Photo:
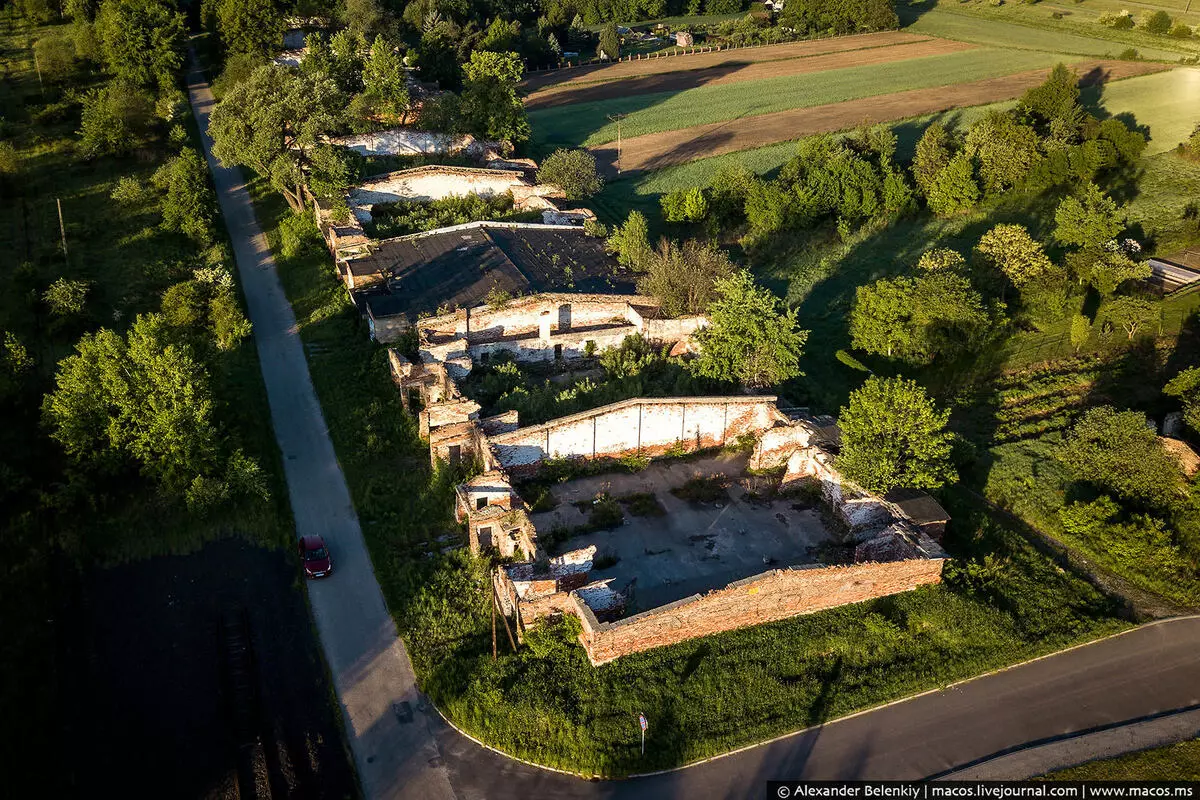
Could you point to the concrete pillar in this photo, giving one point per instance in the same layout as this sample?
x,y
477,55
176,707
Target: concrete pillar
x,y
544,326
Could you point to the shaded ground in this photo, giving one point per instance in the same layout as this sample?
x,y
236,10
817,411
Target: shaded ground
x,y
658,150
688,546
734,68
156,711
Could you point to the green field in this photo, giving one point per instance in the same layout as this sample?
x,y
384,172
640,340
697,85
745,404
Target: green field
x,y
1032,27
1154,101
588,123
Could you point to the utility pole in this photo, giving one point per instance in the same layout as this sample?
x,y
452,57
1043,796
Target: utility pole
x,y
62,229
617,119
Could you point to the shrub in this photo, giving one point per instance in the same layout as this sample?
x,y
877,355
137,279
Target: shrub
x,y
66,297
1156,22
1181,30
1129,54
702,490
643,504
572,170
605,560
128,191
114,119
298,235
1122,21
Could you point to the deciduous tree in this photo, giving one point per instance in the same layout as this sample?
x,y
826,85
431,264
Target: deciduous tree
x,y
142,41
1011,250
918,319
751,338
1186,386
1088,219
490,106
272,123
1118,452
250,26
1130,314
684,277
892,435
954,188
631,242
188,202
572,170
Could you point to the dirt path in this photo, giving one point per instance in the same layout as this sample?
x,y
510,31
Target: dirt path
x,y
563,79
735,69
658,150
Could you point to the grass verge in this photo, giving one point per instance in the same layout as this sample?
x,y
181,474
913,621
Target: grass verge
x,y
1177,762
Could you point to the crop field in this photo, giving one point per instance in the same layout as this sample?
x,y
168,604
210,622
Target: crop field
x,y
1153,101
1011,26
658,150
588,84
589,124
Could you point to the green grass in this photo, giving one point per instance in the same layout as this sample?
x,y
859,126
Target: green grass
x,y
588,124
1176,762
1167,102
1031,27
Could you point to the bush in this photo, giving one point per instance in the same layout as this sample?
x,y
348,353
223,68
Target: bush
x,y
701,490
1156,22
114,119
128,191
66,297
55,56
643,504
298,236
1121,22
1181,30
572,170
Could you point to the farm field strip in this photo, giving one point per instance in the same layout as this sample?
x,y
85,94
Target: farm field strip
x,y
733,70
538,82
991,32
665,149
589,124
1153,100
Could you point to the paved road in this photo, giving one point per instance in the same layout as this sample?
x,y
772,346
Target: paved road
x,y
410,753
395,752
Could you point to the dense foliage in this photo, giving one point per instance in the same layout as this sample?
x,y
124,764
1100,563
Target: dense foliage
x,y
893,436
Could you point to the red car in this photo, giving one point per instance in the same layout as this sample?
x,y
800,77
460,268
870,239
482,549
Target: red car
x,y
315,556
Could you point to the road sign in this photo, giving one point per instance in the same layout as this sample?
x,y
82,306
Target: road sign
x,y
644,724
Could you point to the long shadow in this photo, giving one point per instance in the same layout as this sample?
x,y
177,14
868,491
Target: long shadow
x,y
677,81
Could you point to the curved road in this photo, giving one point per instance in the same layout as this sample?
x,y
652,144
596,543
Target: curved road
x,y
402,749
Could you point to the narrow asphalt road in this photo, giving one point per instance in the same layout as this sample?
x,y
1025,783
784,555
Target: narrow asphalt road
x,y
394,748
402,748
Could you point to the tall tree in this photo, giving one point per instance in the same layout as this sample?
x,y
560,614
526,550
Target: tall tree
x,y
1088,219
954,189
490,105
893,436
272,123
385,81
933,154
250,26
631,242
609,46
751,338
1011,250
142,397
188,203
1004,149
918,319
572,170
142,41
1053,107
1130,314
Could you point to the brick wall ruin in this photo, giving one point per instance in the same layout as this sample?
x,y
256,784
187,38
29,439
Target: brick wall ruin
x,y
769,597
647,426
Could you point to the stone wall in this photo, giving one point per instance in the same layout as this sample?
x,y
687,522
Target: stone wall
x,y
769,597
408,141
646,426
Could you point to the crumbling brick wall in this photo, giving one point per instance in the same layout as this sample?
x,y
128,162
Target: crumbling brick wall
x,y
645,426
769,597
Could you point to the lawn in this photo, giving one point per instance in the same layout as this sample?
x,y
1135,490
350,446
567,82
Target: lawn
x,y
589,124
1032,27
1176,762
